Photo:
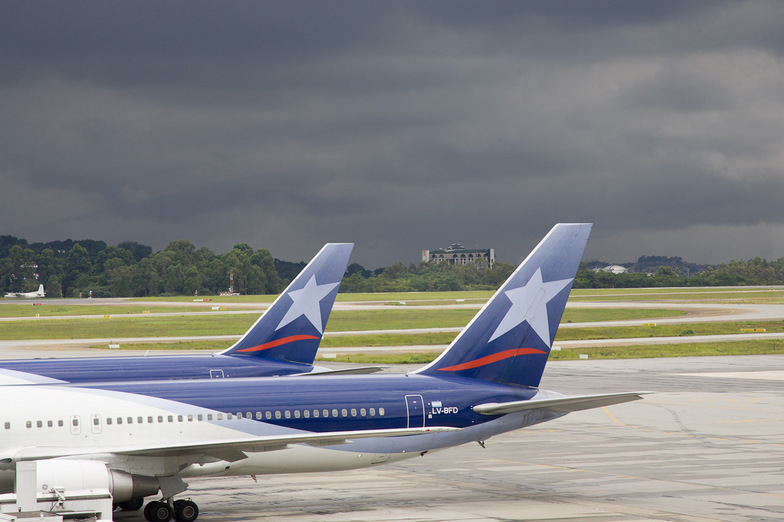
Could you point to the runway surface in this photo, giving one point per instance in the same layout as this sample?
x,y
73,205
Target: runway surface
x,y
709,445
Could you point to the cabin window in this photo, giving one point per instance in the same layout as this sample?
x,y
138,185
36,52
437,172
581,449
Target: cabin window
x,y
344,412
130,420
372,412
334,413
119,420
160,418
140,420
353,412
296,414
190,417
209,416
306,414
277,414
315,414
287,414
220,416
179,418
96,422
39,424
8,425
381,411
268,415
60,423
149,419
49,424
170,418
229,416
200,417
75,421
109,420
258,415
29,424
362,412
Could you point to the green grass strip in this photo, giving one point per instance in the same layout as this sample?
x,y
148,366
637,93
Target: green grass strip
x,y
666,330
119,325
763,347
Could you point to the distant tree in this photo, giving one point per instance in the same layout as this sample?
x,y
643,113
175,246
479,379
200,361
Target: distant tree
x,y
19,270
77,269
53,287
288,270
354,268
137,250
6,242
49,267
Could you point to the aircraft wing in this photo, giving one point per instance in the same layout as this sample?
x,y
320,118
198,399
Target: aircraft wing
x,y
559,404
229,450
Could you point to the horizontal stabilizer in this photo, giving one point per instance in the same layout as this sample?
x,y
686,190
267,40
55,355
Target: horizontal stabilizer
x,y
560,404
359,370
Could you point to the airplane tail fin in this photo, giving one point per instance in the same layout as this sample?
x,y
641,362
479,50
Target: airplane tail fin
x,y
41,290
510,338
292,327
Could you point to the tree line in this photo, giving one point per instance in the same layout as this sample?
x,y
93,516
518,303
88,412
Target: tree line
x,y
88,267
754,272
81,268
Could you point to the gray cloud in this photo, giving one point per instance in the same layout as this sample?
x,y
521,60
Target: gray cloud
x,y
398,126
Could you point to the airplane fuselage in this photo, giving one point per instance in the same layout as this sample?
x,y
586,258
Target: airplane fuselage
x,y
107,421
158,367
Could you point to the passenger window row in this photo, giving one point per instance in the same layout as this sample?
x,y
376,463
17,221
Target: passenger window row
x,y
267,415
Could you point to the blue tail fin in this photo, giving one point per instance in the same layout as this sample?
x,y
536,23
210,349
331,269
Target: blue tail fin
x,y
509,340
291,329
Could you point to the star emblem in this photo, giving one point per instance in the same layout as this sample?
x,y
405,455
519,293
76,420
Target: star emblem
x,y
306,301
529,303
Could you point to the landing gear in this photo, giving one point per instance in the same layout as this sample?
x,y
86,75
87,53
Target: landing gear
x,y
180,510
158,511
185,510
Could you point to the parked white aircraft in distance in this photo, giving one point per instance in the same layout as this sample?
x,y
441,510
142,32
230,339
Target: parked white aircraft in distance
x,y
134,439
28,295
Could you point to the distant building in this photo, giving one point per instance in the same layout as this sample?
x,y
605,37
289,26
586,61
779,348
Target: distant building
x,y
457,254
615,269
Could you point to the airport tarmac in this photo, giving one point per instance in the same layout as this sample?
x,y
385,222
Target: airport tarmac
x,y
708,445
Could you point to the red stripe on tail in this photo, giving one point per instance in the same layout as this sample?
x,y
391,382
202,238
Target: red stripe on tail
x,y
278,342
506,354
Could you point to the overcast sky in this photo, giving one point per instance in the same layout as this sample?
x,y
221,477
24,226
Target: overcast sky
x,y
396,125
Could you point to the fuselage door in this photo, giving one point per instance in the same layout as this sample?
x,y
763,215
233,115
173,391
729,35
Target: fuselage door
x,y
76,425
416,411
216,374
95,423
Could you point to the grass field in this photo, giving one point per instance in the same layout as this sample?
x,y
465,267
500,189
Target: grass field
x,y
615,352
400,316
119,325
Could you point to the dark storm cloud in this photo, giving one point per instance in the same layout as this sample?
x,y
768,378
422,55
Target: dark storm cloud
x,y
397,125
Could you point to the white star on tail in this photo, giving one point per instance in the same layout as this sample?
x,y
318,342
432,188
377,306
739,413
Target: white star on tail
x,y
529,303
307,302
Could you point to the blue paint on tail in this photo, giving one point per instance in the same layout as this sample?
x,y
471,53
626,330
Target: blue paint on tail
x,y
292,328
509,340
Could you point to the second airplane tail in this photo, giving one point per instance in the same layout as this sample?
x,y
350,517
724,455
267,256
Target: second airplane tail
x,y
509,340
292,328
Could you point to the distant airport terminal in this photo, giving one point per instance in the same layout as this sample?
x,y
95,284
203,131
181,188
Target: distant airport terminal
x,y
457,254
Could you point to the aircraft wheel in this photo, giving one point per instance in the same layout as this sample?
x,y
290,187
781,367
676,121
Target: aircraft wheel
x,y
135,504
158,511
185,510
